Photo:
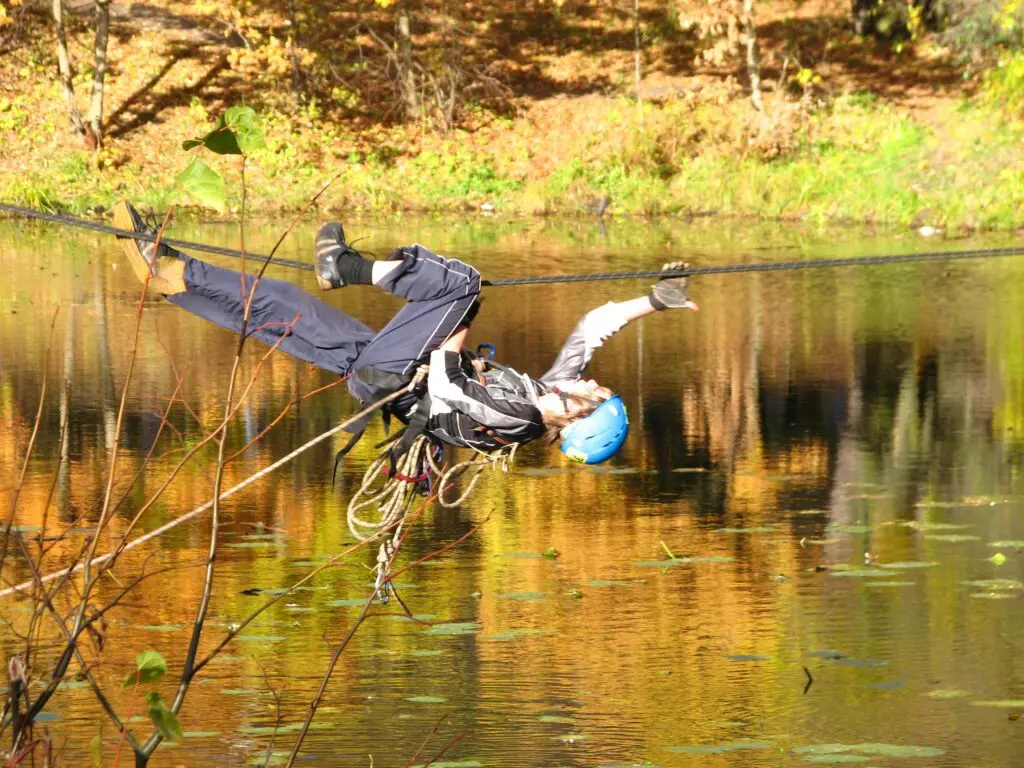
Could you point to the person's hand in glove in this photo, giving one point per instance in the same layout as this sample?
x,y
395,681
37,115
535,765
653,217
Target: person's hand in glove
x,y
670,292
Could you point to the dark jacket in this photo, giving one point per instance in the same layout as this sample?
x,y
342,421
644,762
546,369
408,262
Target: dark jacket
x,y
500,406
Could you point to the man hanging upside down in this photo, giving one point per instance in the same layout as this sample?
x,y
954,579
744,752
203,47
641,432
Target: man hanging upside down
x,y
469,401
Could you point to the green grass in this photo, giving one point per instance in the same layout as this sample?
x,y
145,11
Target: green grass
x,y
855,160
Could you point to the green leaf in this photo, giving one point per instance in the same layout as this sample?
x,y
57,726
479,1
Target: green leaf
x,y
149,666
96,749
242,122
998,558
203,184
163,718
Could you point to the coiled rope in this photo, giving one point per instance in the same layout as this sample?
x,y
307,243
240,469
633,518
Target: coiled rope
x,y
778,266
414,472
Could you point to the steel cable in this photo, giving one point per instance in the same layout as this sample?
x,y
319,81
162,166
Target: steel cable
x,y
723,269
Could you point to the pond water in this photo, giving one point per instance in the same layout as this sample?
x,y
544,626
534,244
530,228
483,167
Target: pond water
x,y
833,458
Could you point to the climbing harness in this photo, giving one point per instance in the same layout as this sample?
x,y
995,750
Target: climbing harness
x,y
779,266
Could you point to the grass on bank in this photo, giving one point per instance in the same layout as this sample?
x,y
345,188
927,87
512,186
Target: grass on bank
x,y
850,158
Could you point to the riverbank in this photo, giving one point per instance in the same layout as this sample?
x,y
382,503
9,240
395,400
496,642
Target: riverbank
x,y
832,145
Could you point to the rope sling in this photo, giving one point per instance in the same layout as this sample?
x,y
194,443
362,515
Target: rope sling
x,y
416,472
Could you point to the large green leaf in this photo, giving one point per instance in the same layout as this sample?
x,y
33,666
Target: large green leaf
x,y
235,133
163,718
149,666
203,184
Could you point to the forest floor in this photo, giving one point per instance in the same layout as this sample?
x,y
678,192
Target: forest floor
x,y
552,121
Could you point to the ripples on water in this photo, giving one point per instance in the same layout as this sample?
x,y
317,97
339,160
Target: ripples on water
x,y
831,456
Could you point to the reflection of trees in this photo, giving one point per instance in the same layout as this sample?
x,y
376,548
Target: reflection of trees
x,y
794,392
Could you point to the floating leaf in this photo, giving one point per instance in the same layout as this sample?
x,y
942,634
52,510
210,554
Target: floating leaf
x,y
454,628
572,738
161,627
863,662
522,596
611,583
888,685
861,573
96,749
556,719
751,529
953,538
889,583
947,693
451,764
203,184
551,553
998,558
717,749
260,638
827,655
200,734
836,759
747,657
242,692
850,528
425,653
910,564
45,717
1008,543
163,718
347,602
149,666
996,584
1000,703
427,699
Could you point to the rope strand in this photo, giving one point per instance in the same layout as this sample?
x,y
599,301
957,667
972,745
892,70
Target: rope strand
x,y
779,266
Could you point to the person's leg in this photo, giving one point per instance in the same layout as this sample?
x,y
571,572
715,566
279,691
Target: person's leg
x,y
440,292
322,335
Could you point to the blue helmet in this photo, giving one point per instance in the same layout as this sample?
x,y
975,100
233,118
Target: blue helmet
x,y
595,438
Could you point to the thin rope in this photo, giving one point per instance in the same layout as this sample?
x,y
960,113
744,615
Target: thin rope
x,y
779,266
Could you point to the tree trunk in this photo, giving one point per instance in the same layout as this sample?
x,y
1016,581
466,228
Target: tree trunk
x,y
753,56
637,73
407,78
94,136
67,86
298,89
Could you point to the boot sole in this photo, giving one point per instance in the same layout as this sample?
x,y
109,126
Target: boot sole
x,y
158,282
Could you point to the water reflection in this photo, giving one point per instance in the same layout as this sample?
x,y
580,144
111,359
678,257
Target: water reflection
x,y
798,424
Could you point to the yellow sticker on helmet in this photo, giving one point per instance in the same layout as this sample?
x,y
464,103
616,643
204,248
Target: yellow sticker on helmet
x,y
575,454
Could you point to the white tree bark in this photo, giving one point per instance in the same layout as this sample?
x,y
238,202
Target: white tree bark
x,y
67,85
99,71
753,55
407,77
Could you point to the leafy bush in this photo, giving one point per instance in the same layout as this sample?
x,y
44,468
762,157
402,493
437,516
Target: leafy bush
x,y
976,29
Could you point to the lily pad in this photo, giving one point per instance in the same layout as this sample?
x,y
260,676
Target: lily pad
x,y
249,544
522,596
348,602
452,764
889,583
747,657
953,538
556,719
920,525
860,573
1000,703
200,734
1008,543
863,662
995,584
242,692
611,583
946,693
751,529
427,699
833,655
424,653
836,759
994,595
160,627
850,528
904,565
454,628
46,717
718,749
572,738
880,750
260,638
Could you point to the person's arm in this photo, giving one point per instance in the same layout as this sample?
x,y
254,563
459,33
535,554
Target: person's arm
x,y
601,323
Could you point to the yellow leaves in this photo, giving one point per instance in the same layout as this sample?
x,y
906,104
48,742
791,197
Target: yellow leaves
x,y
384,3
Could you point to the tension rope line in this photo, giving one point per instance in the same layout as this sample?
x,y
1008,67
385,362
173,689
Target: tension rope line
x,y
779,266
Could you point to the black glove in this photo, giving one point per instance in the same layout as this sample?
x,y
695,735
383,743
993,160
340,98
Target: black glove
x,y
670,292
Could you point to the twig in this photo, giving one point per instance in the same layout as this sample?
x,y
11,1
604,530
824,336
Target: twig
x,y
433,732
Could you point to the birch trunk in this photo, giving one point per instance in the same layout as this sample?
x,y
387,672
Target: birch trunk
x,y
67,86
99,72
753,55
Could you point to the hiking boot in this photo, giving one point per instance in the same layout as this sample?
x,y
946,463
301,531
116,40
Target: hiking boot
x,y
337,263
162,265
670,292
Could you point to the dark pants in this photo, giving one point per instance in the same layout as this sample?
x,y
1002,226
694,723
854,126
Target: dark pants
x,y
439,292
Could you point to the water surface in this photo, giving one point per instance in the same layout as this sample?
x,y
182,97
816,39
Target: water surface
x,y
832,456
